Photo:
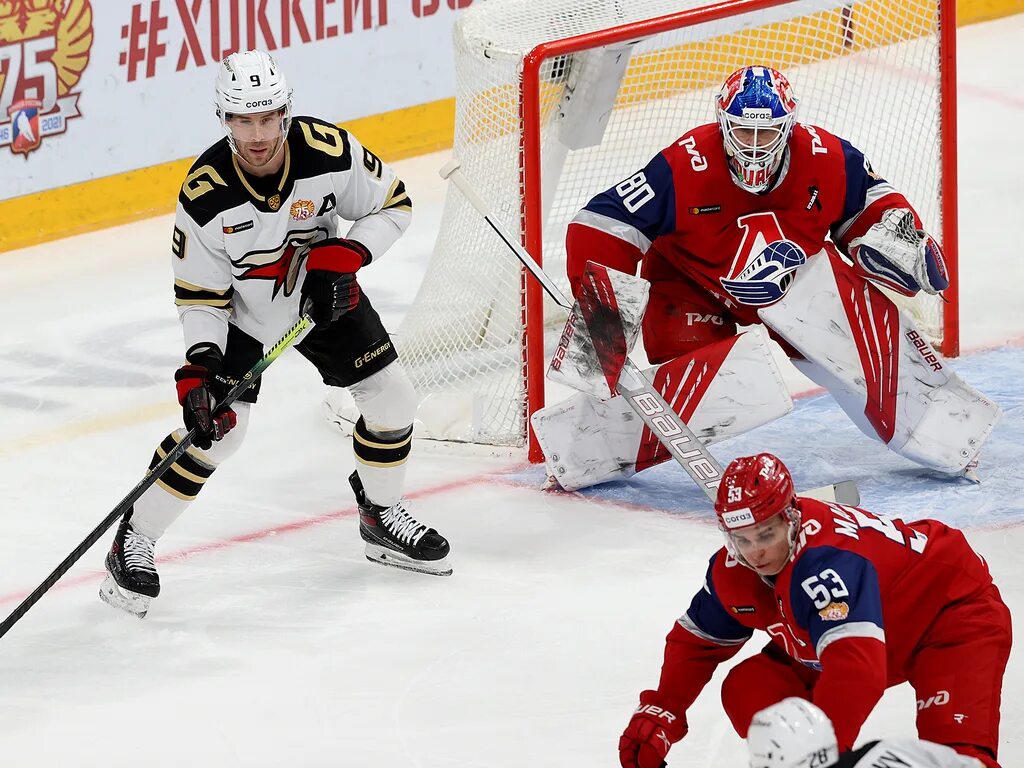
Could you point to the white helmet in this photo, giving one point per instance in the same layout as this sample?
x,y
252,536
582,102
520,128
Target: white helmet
x,y
792,734
248,83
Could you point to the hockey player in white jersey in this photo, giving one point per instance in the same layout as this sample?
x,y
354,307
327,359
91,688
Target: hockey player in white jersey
x,y
796,734
257,241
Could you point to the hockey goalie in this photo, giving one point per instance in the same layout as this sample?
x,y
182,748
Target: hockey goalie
x,y
780,227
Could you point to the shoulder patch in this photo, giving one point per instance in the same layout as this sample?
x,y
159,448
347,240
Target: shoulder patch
x,y
211,185
835,612
318,147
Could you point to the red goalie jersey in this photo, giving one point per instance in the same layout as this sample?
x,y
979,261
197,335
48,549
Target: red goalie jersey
x,y
864,603
703,240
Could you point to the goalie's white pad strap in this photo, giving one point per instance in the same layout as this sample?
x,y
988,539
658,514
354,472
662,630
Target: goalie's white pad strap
x,y
722,390
879,367
600,332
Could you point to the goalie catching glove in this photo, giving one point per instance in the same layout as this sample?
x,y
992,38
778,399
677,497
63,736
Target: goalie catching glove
x,y
197,381
899,256
651,732
330,289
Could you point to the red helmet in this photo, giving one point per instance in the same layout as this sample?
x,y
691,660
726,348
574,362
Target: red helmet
x,y
753,489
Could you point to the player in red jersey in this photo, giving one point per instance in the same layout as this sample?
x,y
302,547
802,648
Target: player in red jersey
x,y
854,603
757,218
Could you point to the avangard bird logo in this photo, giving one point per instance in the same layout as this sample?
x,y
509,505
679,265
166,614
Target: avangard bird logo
x,y
280,264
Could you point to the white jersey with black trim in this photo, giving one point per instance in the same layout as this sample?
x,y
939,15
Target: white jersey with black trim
x,y
905,753
240,242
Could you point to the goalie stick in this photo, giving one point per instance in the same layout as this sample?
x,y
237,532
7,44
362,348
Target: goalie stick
x,y
154,474
670,430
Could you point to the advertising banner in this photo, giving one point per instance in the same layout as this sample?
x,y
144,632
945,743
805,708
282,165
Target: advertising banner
x,y
93,88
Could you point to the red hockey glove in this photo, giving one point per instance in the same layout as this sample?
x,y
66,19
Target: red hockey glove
x,y
650,733
330,289
197,380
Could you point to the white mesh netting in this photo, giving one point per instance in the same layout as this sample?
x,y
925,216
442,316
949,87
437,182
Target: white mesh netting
x,y
866,71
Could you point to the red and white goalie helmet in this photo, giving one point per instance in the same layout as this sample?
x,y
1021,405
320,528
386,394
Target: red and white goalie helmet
x,y
756,111
248,83
791,734
753,490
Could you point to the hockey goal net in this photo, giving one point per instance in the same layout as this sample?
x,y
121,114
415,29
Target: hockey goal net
x,y
559,99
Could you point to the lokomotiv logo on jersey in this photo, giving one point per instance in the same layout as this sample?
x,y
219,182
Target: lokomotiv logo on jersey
x,y
765,262
44,48
280,264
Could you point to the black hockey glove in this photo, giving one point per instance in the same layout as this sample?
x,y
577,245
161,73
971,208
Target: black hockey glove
x,y
330,289
199,388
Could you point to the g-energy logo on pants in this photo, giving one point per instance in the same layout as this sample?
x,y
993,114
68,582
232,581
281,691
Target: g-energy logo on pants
x,y
373,354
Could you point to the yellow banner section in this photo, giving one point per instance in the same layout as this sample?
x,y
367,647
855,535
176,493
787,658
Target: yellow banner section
x,y
126,197
119,199
970,11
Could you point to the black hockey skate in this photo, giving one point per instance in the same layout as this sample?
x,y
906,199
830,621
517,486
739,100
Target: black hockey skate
x,y
132,581
394,537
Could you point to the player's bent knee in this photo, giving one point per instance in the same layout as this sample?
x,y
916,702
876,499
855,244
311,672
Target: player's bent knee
x,y
221,450
386,400
757,683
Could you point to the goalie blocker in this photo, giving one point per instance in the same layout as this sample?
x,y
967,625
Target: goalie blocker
x,y
886,377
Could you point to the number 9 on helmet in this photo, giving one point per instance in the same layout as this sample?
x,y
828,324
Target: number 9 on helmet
x,y
251,83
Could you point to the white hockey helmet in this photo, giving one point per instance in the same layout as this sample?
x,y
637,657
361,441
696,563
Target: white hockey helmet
x,y
792,734
248,83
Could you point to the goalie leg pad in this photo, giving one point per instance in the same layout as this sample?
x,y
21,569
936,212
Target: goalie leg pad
x,y
722,390
878,366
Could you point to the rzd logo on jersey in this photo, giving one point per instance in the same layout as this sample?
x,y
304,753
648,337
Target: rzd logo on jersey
x,y
44,48
765,262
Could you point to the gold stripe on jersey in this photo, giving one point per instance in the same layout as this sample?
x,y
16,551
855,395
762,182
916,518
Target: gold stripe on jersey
x,y
187,294
376,451
398,199
274,201
187,475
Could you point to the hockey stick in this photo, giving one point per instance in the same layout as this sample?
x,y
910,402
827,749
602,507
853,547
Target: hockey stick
x,y
154,474
671,431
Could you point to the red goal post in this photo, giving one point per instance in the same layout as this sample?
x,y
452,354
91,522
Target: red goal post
x,y
587,100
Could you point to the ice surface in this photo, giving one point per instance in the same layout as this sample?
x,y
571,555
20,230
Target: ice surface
x,y
275,643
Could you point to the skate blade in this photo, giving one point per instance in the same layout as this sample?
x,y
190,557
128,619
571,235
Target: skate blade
x,y
384,556
551,485
129,602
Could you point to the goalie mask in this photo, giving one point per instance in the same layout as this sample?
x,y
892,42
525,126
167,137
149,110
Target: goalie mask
x,y
756,110
791,734
754,490
251,83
